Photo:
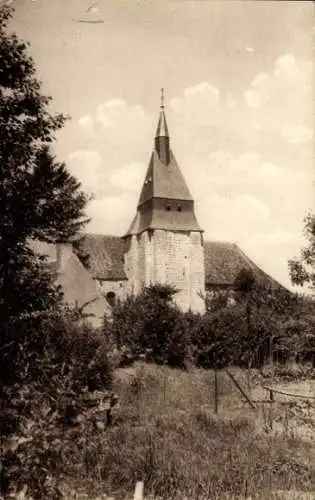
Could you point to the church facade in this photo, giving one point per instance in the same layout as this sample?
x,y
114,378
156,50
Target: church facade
x,y
164,244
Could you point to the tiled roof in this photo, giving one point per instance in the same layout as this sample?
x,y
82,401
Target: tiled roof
x,y
164,181
106,256
163,219
223,262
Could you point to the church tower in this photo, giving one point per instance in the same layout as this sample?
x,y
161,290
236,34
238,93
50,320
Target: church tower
x,y
164,243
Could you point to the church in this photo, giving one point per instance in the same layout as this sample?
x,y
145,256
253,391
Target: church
x,y
163,244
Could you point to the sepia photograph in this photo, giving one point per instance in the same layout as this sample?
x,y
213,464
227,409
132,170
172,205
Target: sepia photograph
x,y
157,250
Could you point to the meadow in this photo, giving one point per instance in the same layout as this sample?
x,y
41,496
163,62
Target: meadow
x,y
166,433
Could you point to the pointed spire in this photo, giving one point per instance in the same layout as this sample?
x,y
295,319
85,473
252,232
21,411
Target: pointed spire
x,y
162,130
162,142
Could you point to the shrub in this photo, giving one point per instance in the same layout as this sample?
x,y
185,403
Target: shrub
x,y
150,325
64,361
224,337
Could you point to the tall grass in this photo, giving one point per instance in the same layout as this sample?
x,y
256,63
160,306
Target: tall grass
x,y
166,434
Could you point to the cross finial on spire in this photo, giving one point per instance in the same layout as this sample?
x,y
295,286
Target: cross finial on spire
x,y
162,98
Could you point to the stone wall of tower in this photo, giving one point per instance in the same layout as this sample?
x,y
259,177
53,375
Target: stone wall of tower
x,y
172,263
197,273
168,257
145,258
132,264
179,261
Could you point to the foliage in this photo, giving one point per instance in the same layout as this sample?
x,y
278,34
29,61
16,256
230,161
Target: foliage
x,y
150,325
65,362
302,271
39,198
249,330
167,435
50,358
223,338
244,281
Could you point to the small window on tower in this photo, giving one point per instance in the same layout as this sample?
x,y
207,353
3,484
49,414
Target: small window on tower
x,y
111,298
168,207
179,208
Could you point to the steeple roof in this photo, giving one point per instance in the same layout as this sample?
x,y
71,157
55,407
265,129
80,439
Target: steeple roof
x,y
165,200
164,181
163,178
162,130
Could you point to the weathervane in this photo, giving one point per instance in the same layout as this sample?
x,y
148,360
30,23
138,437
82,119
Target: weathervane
x,y
162,98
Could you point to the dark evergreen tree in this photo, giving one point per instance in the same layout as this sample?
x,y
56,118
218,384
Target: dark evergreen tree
x,y
39,198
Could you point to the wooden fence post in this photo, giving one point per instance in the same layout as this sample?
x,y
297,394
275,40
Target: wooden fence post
x,y
216,391
271,399
138,495
249,388
249,401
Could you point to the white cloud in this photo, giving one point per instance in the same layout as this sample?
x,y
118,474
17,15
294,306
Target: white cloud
x,y
115,112
121,131
111,214
197,104
295,133
129,177
252,98
87,167
115,104
275,108
287,66
238,196
203,91
245,163
282,99
231,218
87,123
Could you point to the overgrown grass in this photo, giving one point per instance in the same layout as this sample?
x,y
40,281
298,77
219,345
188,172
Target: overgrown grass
x,y
166,434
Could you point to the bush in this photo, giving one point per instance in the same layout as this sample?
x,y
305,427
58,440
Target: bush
x,y
65,361
259,325
229,337
150,325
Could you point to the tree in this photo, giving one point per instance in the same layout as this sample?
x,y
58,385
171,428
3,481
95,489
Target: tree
x,y
39,198
49,359
151,326
244,281
302,271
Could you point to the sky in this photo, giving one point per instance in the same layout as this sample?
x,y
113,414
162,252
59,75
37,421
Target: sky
x,y
239,82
